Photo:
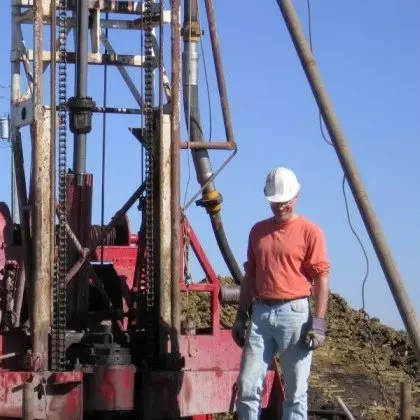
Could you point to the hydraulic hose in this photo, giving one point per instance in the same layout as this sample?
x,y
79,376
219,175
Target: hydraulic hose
x,y
211,198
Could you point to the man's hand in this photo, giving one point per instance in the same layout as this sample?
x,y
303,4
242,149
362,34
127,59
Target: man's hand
x,y
239,328
315,337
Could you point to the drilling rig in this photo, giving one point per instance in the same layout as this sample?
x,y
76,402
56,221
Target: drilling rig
x,y
90,318
90,321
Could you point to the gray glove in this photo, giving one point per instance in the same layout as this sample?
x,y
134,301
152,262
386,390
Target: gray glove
x,y
315,337
239,328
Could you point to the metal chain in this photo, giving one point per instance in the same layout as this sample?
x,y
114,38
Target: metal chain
x,y
149,166
59,290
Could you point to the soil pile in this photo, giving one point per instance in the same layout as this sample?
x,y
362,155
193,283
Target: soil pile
x,y
362,361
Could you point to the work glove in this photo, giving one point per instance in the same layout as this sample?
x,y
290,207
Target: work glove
x,y
315,337
239,328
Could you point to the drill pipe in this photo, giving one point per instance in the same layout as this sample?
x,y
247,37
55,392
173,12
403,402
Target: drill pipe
x,y
395,281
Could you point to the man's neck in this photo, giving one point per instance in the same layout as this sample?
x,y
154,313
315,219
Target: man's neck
x,y
284,221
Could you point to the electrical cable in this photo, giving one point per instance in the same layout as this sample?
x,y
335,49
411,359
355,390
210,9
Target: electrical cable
x,y
367,269
321,122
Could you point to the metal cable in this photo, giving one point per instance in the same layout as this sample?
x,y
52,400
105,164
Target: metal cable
x,y
321,122
59,289
366,321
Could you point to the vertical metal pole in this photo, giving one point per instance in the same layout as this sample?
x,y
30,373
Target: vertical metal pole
x,y
14,201
165,205
175,164
79,155
25,278
14,97
405,404
28,407
165,238
354,179
15,66
42,223
190,81
221,83
20,211
15,210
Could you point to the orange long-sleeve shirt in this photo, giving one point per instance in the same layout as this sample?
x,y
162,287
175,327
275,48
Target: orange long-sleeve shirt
x,y
284,259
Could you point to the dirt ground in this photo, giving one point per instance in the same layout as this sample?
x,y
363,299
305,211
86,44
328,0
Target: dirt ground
x,y
362,361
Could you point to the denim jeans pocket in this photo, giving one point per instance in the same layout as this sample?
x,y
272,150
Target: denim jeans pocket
x,y
299,305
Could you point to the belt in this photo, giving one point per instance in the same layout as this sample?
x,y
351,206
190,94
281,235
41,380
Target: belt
x,y
273,302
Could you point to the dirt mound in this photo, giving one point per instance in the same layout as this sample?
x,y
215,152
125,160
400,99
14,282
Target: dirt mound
x,y
362,361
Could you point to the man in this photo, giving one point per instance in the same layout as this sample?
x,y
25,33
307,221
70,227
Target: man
x,y
286,263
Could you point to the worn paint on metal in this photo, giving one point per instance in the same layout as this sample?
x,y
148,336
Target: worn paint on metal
x,y
191,393
124,261
214,284
110,388
64,400
165,238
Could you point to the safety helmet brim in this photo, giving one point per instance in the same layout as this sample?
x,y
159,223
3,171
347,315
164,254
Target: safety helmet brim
x,y
282,198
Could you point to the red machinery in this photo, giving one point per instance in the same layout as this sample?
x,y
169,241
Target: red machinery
x,y
90,315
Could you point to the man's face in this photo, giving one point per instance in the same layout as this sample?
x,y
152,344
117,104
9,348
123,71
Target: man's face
x,y
283,211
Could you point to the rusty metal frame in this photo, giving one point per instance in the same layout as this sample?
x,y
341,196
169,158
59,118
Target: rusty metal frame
x,y
114,6
229,143
221,83
22,57
25,55
175,172
124,74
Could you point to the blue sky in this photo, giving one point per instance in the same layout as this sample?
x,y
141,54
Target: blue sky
x,y
369,57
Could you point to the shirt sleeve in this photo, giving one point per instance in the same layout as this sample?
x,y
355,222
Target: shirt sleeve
x,y
249,265
316,262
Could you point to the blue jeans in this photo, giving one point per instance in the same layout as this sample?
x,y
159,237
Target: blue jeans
x,y
276,328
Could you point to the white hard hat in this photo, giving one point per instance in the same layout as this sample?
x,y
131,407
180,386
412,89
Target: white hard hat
x,y
281,185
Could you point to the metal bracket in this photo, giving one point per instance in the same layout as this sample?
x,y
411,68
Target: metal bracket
x,y
23,113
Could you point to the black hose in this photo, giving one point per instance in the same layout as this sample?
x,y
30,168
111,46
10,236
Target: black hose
x,y
201,158
190,11
204,171
222,241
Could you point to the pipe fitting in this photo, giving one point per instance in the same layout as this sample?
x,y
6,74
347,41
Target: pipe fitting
x,y
211,201
191,31
190,57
